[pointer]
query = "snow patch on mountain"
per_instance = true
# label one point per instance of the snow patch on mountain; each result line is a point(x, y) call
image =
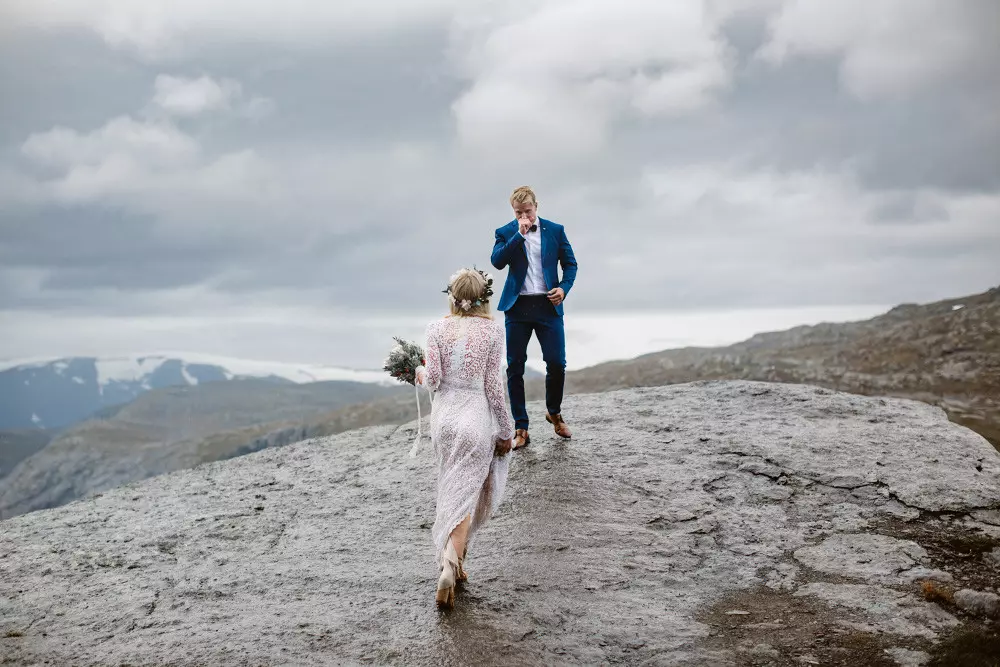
point(126, 369)
point(190, 379)
point(138, 367)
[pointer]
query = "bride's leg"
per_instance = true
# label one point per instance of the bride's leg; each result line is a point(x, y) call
point(459, 538)
point(482, 511)
point(460, 534)
point(451, 566)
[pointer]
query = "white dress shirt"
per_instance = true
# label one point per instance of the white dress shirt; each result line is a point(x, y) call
point(534, 281)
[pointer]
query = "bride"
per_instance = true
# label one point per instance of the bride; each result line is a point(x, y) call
point(471, 427)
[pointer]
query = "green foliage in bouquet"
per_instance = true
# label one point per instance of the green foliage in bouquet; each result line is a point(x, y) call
point(403, 360)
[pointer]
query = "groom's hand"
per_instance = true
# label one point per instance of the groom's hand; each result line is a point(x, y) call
point(524, 224)
point(556, 295)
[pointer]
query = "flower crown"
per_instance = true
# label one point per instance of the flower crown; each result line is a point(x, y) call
point(465, 304)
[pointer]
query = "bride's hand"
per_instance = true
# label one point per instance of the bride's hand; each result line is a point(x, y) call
point(420, 375)
point(503, 446)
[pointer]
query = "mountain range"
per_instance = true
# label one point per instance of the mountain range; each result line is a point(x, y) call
point(945, 353)
point(56, 393)
point(170, 429)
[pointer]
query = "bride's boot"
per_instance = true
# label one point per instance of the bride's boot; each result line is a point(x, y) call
point(446, 582)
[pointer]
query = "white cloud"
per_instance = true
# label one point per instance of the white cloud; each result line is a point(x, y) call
point(771, 238)
point(122, 139)
point(190, 97)
point(152, 167)
point(150, 164)
point(887, 48)
point(181, 96)
point(159, 28)
point(555, 76)
point(621, 117)
point(804, 215)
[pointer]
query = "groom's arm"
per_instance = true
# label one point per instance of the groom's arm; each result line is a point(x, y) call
point(504, 249)
point(568, 262)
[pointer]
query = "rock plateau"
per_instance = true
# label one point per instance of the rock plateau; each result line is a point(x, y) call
point(710, 523)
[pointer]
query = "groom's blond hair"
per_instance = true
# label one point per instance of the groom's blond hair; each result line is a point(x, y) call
point(523, 195)
point(469, 286)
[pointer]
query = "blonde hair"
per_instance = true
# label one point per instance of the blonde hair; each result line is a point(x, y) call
point(468, 285)
point(523, 195)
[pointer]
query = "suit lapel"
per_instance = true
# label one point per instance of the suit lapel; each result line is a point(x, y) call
point(543, 229)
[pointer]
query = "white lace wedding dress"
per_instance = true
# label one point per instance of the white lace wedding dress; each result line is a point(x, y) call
point(469, 415)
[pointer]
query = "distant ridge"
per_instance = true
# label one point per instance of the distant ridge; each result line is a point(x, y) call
point(946, 353)
point(56, 393)
point(172, 428)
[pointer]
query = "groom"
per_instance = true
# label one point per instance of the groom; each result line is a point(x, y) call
point(532, 302)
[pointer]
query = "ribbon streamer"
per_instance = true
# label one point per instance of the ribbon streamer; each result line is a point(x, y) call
point(416, 442)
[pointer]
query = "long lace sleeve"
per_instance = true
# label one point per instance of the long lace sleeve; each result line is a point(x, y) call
point(494, 386)
point(430, 378)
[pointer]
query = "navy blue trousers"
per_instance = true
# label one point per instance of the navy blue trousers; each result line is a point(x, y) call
point(535, 314)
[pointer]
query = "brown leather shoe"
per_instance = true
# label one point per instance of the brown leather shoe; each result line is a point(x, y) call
point(521, 438)
point(561, 429)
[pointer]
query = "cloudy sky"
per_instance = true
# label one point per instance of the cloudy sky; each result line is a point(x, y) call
point(296, 180)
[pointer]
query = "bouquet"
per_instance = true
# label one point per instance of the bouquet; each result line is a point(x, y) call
point(402, 364)
point(403, 360)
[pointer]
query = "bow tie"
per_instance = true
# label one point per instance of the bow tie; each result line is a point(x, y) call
point(533, 228)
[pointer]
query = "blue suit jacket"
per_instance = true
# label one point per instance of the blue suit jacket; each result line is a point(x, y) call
point(509, 251)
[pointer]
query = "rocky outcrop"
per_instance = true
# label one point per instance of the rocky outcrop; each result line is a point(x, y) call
point(723, 523)
point(945, 353)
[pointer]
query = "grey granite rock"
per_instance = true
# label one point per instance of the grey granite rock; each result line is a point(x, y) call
point(862, 556)
point(884, 609)
point(980, 603)
point(610, 547)
point(991, 517)
point(924, 574)
point(909, 658)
